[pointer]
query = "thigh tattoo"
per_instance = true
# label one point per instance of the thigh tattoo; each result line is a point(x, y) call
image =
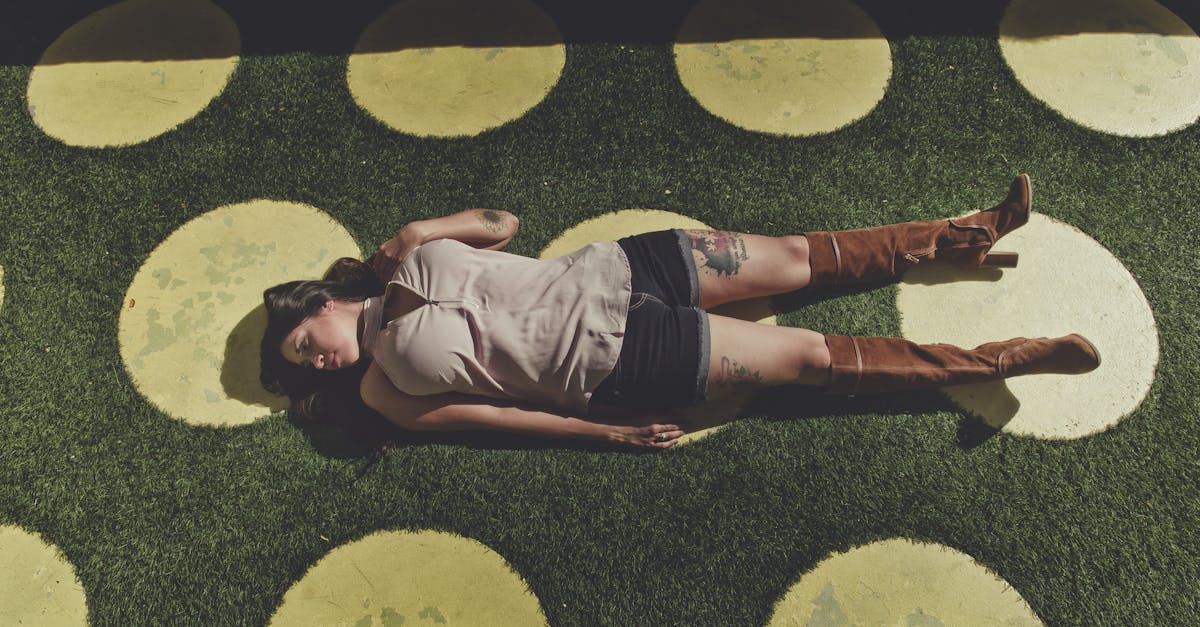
point(722, 251)
point(731, 374)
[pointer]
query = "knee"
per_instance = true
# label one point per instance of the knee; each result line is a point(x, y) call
point(797, 248)
point(814, 359)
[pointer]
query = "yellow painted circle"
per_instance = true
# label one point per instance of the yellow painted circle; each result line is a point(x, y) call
point(132, 71)
point(703, 419)
point(452, 68)
point(411, 578)
point(1127, 67)
point(1066, 282)
point(788, 68)
point(37, 585)
point(193, 317)
point(900, 582)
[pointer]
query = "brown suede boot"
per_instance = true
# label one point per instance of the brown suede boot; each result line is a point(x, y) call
point(847, 257)
point(866, 365)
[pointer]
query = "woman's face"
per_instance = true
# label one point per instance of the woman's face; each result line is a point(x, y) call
point(327, 340)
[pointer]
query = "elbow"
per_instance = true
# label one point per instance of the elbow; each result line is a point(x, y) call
point(507, 219)
point(511, 223)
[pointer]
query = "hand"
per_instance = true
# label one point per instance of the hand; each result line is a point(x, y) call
point(650, 436)
point(390, 253)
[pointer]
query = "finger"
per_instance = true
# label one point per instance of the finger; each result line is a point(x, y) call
point(665, 439)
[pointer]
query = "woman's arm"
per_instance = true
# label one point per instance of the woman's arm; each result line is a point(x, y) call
point(453, 411)
point(491, 229)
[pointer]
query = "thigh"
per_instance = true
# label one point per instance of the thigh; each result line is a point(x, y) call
point(663, 362)
point(751, 355)
point(734, 266)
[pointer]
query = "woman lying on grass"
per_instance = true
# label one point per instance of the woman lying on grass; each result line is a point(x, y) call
point(442, 331)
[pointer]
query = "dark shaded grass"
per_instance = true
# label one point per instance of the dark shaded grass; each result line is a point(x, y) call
point(171, 524)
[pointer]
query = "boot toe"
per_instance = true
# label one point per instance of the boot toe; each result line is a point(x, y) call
point(1087, 356)
point(1019, 202)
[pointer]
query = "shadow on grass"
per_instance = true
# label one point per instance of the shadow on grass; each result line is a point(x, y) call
point(802, 298)
point(805, 402)
point(369, 437)
point(274, 27)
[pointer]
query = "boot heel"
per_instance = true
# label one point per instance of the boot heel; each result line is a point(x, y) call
point(999, 260)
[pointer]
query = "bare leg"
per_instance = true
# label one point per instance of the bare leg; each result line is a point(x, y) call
point(735, 266)
point(751, 355)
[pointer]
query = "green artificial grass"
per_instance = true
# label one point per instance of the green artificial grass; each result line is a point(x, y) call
point(171, 524)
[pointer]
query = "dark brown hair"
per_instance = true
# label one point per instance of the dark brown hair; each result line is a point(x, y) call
point(315, 395)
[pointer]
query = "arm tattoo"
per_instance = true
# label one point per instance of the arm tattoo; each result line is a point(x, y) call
point(493, 221)
point(723, 251)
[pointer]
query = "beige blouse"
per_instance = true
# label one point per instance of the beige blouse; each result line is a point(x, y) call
point(546, 332)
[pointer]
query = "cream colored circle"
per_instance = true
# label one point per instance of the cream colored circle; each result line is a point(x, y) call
point(193, 317)
point(37, 585)
point(706, 418)
point(787, 68)
point(1127, 67)
point(901, 582)
point(1066, 282)
point(423, 577)
point(132, 71)
point(453, 68)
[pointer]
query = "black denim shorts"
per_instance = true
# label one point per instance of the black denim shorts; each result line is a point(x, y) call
point(665, 352)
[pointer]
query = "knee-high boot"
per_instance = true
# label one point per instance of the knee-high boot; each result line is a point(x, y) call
point(846, 257)
point(866, 365)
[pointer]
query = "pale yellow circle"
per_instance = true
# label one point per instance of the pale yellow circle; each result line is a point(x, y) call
point(901, 582)
point(703, 419)
point(193, 317)
point(412, 578)
point(1127, 67)
point(788, 68)
point(37, 585)
point(1066, 282)
point(452, 68)
point(132, 71)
